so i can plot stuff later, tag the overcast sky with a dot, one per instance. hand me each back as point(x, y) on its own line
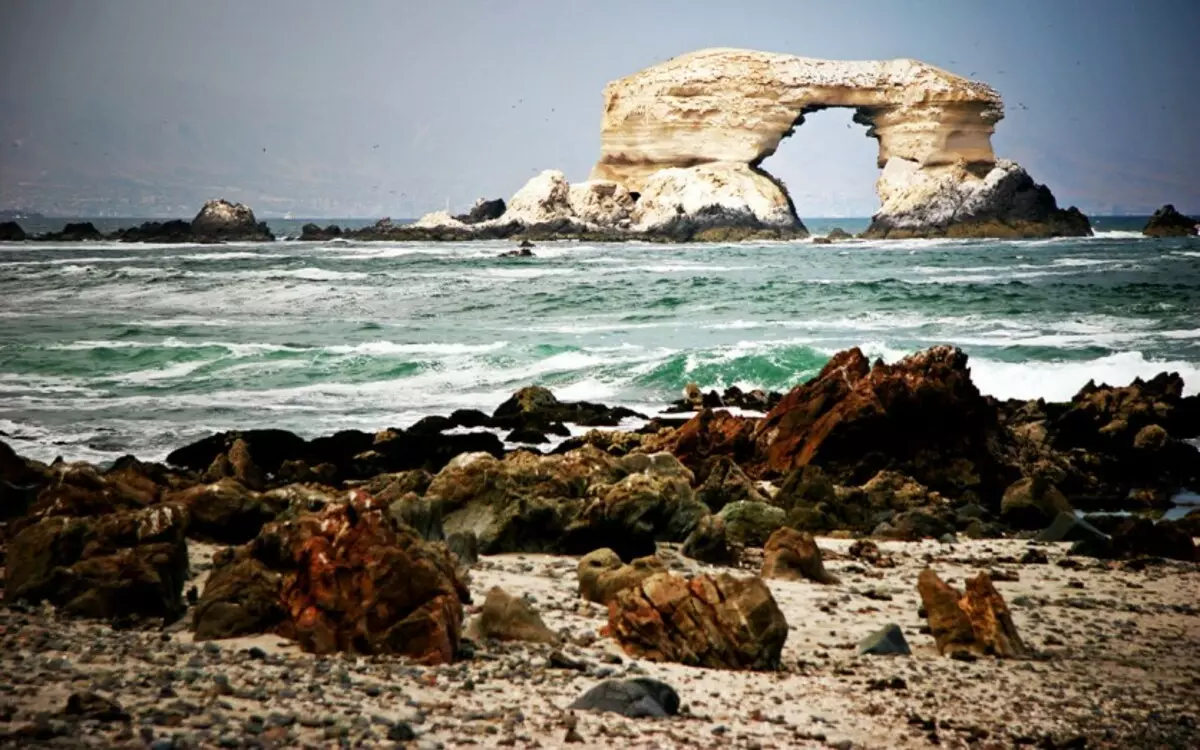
point(369, 108)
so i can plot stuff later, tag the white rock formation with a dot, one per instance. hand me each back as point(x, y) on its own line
point(546, 197)
point(737, 105)
point(601, 203)
point(439, 220)
point(728, 106)
point(723, 193)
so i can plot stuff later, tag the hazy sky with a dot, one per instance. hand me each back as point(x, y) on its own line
point(369, 108)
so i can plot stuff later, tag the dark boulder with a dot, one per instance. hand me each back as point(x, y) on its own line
point(538, 408)
point(1142, 537)
point(80, 231)
point(1167, 222)
point(20, 483)
point(483, 210)
point(638, 698)
point(226, 512)
point(11, 231)
point(175, 230)
point(709, 542)
point(313, 233)
point(270, 448)
point(888, 641)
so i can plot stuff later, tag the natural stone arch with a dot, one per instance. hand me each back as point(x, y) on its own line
point(727, 110)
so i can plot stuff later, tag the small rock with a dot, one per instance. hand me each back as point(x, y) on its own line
point(889, 640)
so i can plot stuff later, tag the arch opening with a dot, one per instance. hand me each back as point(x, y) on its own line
point(827, 163)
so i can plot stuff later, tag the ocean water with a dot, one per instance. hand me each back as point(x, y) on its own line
point(107, 349)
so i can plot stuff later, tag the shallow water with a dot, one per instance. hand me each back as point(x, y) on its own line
point(108, 349)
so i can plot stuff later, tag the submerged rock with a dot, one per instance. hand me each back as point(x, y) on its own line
point(719, 622)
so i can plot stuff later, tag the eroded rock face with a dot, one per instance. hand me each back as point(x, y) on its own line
point(921, 416)
point(719, 622)
point(345, 579)
point(976, 623)
point(729, 106)
point(601, 202)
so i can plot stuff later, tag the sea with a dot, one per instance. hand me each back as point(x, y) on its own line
point(109, 349)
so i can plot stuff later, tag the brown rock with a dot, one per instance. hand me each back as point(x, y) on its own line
point(350, 579)
point(602, 574)
point(976, 623)
point(226, 511)
point(509, 618)
point(709, 542)
point(125, 563)
point(709, 433)
point(718, 622)
point(244, 468)
point(868, 551)
point(792, 555)
point(921, 416)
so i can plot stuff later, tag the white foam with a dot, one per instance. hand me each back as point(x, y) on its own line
point(1059, 381)
point(379, 348)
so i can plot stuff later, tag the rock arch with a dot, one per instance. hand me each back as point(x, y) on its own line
point(724, 111)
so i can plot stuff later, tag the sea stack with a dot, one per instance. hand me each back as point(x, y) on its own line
point(222, 221)
point(693, 132)
point(1167, 222)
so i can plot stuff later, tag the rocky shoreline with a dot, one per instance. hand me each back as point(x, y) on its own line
point(794, 579)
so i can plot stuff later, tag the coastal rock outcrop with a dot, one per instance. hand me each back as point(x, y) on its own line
point(921, 416)
point(730, 106)
point(121, 564)
point(719, 622)
point(220, 220)
point(1167, 222)
point(968, 200)
point(347, 578)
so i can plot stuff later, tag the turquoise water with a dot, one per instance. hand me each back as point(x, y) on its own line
point(108, 349)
